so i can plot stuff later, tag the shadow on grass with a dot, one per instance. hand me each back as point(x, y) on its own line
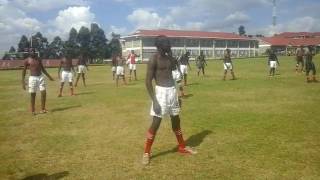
point(187, 96)
point(65, 108)
point(84, 93)
point(193, 84)
point(55, 176)
point(193, 141)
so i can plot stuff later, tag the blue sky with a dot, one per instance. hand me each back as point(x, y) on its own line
point(56, 17)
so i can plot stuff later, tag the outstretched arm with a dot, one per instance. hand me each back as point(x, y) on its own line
point(59, 69)
point(24, 74)
point(45, 71)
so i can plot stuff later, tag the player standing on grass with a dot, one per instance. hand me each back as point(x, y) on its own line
point(66, 75)
point(36, 80)
point(113, 66)
point(120, 68)
point(200, 62)
point(310, 65)
point(164, 97)
point(184, 64)
point(227, 63)
point(299, 58)
point(132, 64)
point(82, 68)
point(272, 62)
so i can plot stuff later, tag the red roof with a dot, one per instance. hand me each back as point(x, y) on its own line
point(298, 34)
point(189, 34)
point(281, 41)
point(276, 41)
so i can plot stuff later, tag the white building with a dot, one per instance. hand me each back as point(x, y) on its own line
point(213, 44)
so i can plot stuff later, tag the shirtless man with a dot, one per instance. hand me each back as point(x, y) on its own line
point(227, 64)
point(82, 68)
point(184, 64)
point(66, 75)
point(164, 97)
point(36, 80)
point(120, 69)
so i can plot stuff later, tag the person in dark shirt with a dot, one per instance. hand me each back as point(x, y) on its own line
point(310, 65)
point(201, 62)
point(299, 58)
point(184, 64)
point(272, 61)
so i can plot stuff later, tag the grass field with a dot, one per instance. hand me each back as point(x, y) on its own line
point(253, 128)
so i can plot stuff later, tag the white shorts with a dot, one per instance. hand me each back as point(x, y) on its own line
point(227, 66)
point(114, 68)
point(132, 66)
point(66, 76)
point(35, 83)
point(184, 69)
point(176, 75)
point(273, 64)
point(168, 100)
point(82, 69)
point(120, 70)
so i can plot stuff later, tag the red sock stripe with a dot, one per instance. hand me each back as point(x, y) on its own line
point(180, 139)
point(149, 141)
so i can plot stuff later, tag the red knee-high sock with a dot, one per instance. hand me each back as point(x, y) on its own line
point(149, 141)
point(180, 139)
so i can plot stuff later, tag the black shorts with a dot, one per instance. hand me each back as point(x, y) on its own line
point(310, 67)
point(300, 60)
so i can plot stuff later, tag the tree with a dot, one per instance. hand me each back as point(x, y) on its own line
point(98, 42)
point(242, 30)
point(23, 43)
point(12, 50)
point(55, 48)
point(115, 45)
point(40, 43)
point(84, 40)
point(72, 45)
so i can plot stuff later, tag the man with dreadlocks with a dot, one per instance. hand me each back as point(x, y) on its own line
point(164, 97)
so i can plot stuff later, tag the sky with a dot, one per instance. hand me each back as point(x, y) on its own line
point(56, 17)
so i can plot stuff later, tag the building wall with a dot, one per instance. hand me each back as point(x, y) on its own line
point(210, 47)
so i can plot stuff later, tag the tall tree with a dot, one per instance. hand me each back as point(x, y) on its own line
point(23, 43)
point(84, 40)
point(72, 44)
point(55, 48)
point(115, 45)
point(40, 43)
point(12, 49)
point(242, 30)
point(98, 42)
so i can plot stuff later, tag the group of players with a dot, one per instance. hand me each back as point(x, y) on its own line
point(165, 70)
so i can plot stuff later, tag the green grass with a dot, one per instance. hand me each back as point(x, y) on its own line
point(253, 128)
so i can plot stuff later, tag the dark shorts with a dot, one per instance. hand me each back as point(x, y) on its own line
point(310, 67)
point(299, 59)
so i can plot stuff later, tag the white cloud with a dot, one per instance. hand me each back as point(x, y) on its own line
point(13, 23)
point(71, 17)
point(45, 5)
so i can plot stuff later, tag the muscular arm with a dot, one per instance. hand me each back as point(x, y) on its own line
point(24, 74)
point(45, 71)
point(149, 77)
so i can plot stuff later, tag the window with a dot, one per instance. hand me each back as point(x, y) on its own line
point(220, 44)
point(206, 43)
point(192, 43)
